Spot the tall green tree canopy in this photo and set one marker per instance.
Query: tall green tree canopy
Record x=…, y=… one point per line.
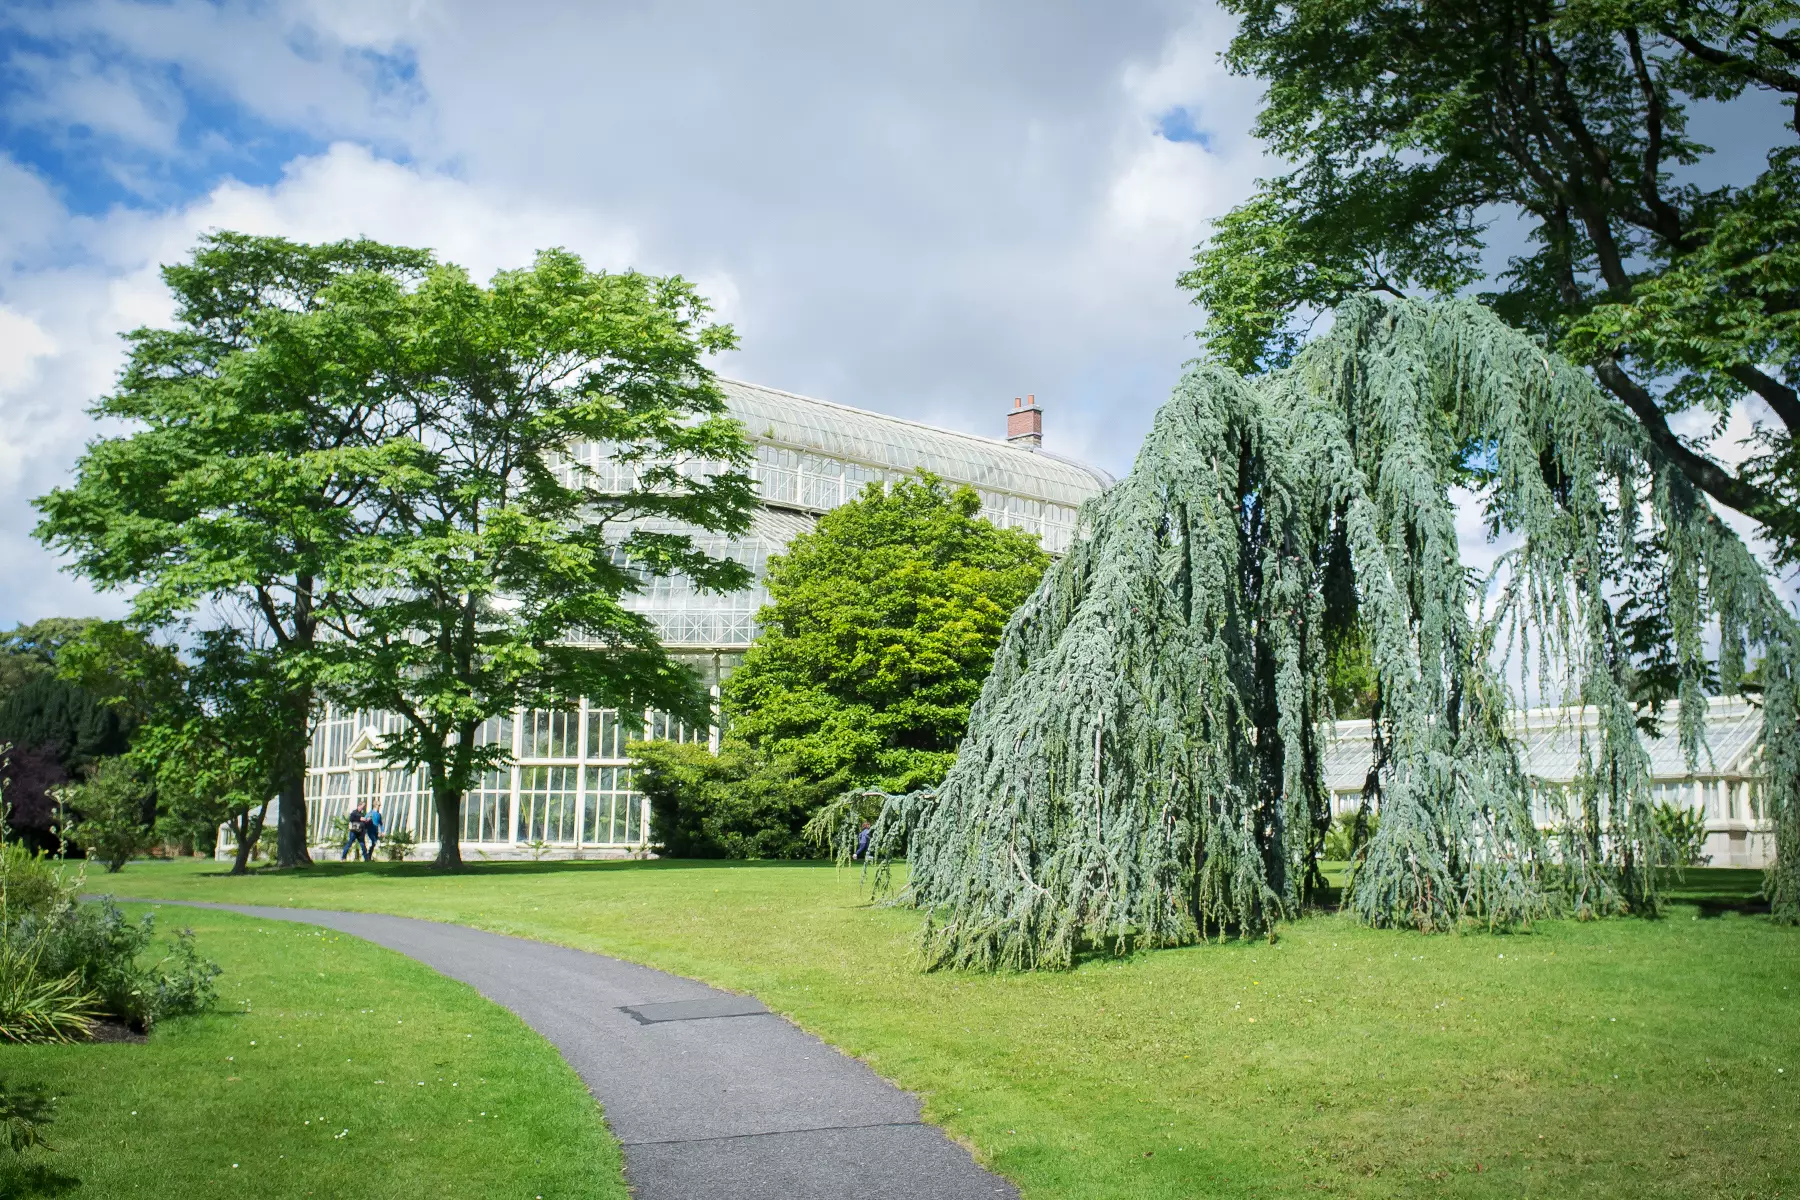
x=350, y=457
x=1414, y=132
x=560, y=433
x=1146, y=761
x=882, y=624
x=255, y=425
x=30, y=651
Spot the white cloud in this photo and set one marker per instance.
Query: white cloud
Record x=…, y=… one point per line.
x=86, y=280
x=143, y=111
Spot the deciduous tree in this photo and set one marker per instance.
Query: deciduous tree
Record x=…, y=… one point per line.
x=563, y=438
x=881, y=626
x=1415, y=135
x=252, y=424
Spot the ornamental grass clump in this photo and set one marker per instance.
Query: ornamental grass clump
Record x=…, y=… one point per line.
x=38, y=1003
x=1145, y=765
x=66, y=965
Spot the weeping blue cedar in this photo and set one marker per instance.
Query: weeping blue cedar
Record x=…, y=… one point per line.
x=1145, y=764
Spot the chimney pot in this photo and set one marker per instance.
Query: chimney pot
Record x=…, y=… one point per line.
x=1025, y=423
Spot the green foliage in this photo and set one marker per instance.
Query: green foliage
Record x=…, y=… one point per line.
x=37, y=1006
x=49, y=711
x=357, y=439
x=117, y=964
x=30, y=651
x=396, y=844
x=494, y=574
x=882, y=624
x=30, y=882
x=1685, y=831
x=1349, y=835
x=62, y=971
x=1145, y=764
x=735, y=804
x=26, y=1110
x=108, y=811
x=1410, y=132
x=252, y=428
x=37, y=1002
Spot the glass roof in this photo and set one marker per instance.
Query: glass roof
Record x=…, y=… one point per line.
x=822, y=427
x=1550, y=744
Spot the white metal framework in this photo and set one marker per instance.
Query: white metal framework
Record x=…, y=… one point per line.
x=568, y=788
x=1725, y=783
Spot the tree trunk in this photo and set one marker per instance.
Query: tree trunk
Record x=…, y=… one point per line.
x=449, y=814
x=291, y=826
x=249, y=831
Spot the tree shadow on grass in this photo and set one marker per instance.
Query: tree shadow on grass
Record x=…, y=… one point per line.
x=1716, y=891
x=561, y=866
x=33, y=1179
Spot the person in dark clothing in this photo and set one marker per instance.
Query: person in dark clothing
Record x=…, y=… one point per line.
x=354, y=823
x=371, y=830
x=862, y=842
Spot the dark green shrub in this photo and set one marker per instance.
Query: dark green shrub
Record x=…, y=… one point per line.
x=734, y=804
x=110, y=956
x=109, y=809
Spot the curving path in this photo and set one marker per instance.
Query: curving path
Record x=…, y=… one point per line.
x=711, y=1094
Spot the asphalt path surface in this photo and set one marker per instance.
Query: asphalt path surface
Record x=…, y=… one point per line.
x=710, y=1093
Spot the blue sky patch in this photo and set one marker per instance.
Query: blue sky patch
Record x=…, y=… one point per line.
x=167, y=137
x=1177, y=125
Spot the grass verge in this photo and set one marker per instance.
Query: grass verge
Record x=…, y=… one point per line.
x=330, y=1068
x=1621, y=1058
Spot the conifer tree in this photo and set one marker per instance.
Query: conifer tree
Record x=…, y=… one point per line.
x=1145, y=765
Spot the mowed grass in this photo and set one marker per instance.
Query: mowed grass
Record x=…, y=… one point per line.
x=1620, y=1058
x=330, y=1068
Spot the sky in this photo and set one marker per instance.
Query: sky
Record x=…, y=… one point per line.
x=922, y=209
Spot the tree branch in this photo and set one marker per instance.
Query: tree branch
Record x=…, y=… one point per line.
x=1705, y=474
x=1778, y=395
x=1668, y=221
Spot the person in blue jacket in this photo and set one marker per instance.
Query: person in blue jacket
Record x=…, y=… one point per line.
x=371, y=829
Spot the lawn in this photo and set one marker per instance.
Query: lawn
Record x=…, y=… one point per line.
x=1620, y=1058
x=330, y=1068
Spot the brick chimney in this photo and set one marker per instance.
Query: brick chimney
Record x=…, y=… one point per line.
x=1025, y=423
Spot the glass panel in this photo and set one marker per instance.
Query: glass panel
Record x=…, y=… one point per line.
x=547, y=804
x=487, y=809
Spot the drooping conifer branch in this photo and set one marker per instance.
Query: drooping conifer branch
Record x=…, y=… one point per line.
x=1145, y=765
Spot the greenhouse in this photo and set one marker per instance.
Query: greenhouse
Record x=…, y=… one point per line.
x=1724, y=783
x=568, y=790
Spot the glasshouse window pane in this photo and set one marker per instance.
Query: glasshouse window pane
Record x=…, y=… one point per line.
x=487, y=810
x=633, y=805
x=547, y=804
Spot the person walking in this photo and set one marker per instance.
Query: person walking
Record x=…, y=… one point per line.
x=354, y=824
x=862, y=843
x=371, y=829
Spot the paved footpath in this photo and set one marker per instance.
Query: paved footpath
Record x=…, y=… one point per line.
x=711, y=1094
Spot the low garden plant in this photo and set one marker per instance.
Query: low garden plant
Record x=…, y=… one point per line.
x=397, y=844
x=66, y=965
x=108, y=810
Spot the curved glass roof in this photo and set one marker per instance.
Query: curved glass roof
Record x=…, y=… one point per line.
x=855, y=435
